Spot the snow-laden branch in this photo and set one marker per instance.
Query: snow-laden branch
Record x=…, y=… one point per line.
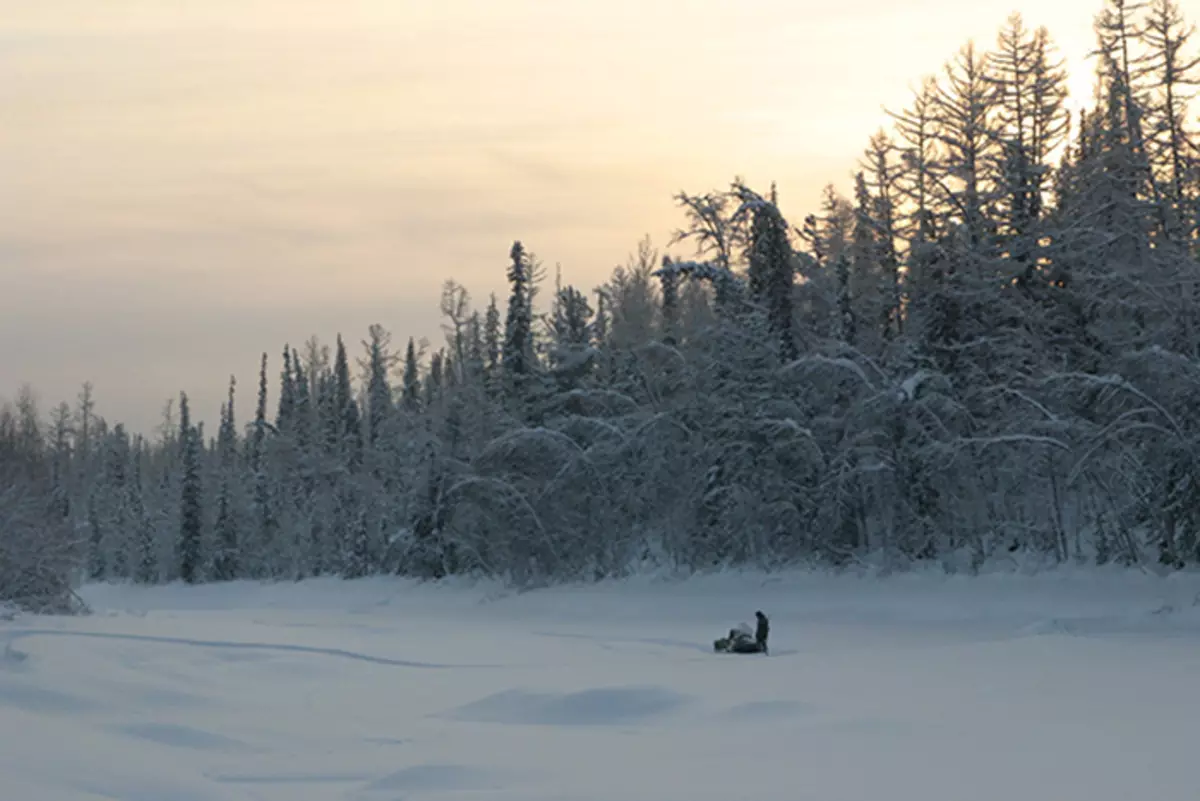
x=816, y=361
x=1016, y=439
x=1116, y=382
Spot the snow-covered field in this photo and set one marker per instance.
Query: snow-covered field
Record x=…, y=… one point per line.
x=1065, y=687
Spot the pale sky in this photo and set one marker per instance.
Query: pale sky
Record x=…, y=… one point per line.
x=186, y=184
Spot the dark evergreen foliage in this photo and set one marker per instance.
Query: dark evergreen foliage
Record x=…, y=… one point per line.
x=191, y=513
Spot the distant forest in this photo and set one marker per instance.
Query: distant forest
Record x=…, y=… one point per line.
x=987, y=349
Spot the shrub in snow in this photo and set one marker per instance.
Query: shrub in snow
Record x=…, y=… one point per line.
x=38, y=556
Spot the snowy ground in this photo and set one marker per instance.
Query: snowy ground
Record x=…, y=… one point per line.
x=913, y=688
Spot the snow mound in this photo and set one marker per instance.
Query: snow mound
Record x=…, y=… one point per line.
x=602, y=706
x=11, y=657
x=176, y=736
x=42, y=700
x=439, y=777
x=1048, y=626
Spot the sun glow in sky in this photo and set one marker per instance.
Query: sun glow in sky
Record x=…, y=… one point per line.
x=187, y=185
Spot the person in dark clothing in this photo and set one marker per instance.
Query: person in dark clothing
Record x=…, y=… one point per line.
x=761, y=631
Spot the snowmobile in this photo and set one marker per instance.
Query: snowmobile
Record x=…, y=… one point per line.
x=739, y=641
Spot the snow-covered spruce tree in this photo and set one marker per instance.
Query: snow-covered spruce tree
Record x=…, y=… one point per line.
x=435, y=380
x=259, y=554
x=225, y=560
x=160, y=490
x=601, y=324
x=381, y=480
x=824, y=299
x=427, y=551
x=113, y=517
x=882, y=179
x=346, y=425
x=426, y=462
x=85, y=420
x=61, y=453
x=189, y=551
x=617, y=383
x=326, y=471
x=145, y=560
x=867, y=279
x=359, y=559
x=769, y=269
x=285, y=411
x=1102, y=239
x=319, y=467
x=736, y=501
x=99, y=552
x=668, y=286
x=336, y=460
x=634, y=305
x=39, y=552
x=571, y=325
x=847, y=329
x=305, y=541
x=631, y=322
x=471, y=416
x=570, y=353
x=516, y=358
x=293, y=456
x=379, y=405
x=492, y=340
x=84, y=475
x=756, y=489
x=475, y=364
x=410, y=391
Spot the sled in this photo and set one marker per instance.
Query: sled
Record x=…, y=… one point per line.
x=723, y=646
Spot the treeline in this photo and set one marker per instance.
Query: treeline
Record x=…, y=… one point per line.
x=991, y=346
